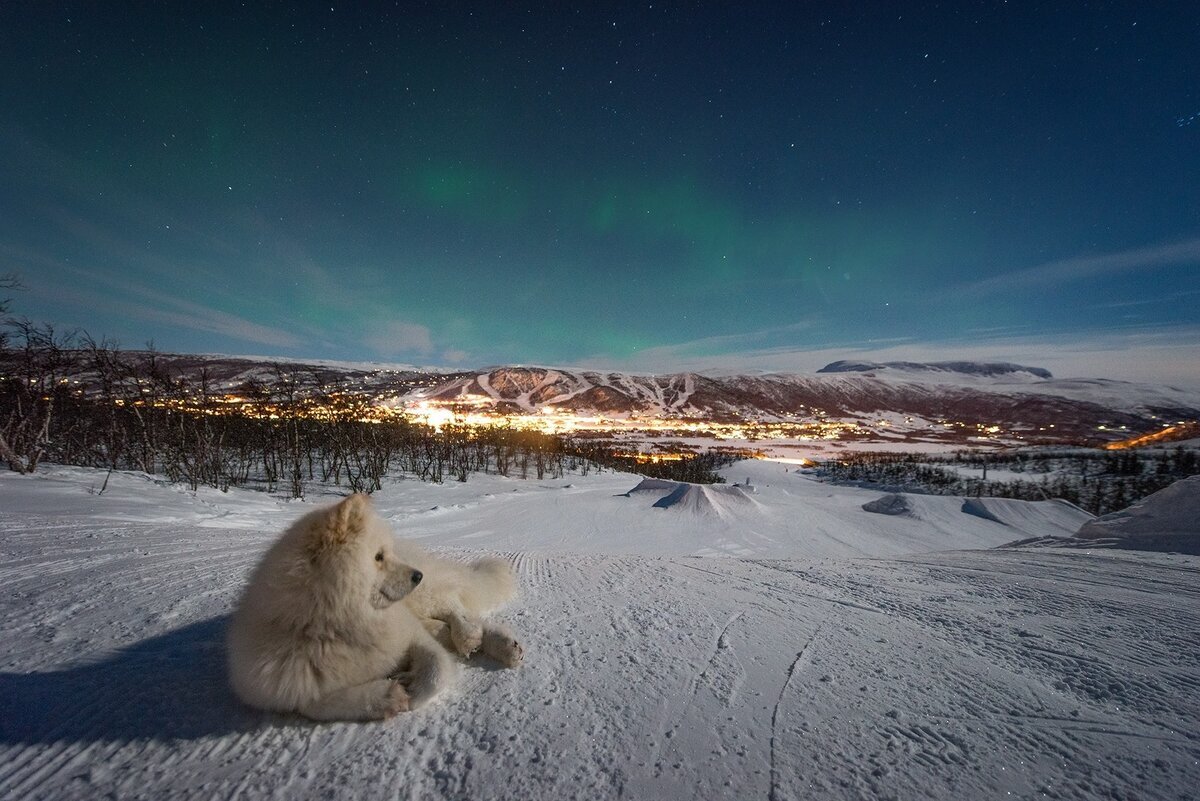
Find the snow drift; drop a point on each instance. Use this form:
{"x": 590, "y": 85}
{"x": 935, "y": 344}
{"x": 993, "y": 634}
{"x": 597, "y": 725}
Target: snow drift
{"x": 1168, "y": 520}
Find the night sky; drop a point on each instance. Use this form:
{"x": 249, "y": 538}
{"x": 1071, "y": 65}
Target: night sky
{"x": 654, "y": 186}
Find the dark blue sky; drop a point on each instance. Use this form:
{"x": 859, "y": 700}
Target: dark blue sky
{"x": 650, "y": 186}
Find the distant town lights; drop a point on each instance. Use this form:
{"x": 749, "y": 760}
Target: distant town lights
{"x": 478, "y": 412}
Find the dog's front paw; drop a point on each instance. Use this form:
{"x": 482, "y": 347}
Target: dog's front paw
{"x": 502, "y": 646}
{"x": 467, "y": 639}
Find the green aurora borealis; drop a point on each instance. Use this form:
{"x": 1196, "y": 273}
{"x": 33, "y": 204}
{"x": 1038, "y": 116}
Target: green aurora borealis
{"x": 619, "y": 184}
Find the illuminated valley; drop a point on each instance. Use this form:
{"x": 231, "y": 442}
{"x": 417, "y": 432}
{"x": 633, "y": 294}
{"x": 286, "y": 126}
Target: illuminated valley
{"x": 650, "y": 436}
{"x": 782, "y": 416}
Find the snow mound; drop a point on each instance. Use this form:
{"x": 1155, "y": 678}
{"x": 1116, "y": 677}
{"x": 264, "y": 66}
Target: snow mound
{"x": 704, "y": 499}
{"x": 893, "y": 503}
{"x": 1168, "y": 520}
{"x": 980, "y": 508}
{"x": 1028, "y": 515}
{"x": 653, "y": 485}
{"x": 1044, "y": 517}
{"x": 708, "y": 500}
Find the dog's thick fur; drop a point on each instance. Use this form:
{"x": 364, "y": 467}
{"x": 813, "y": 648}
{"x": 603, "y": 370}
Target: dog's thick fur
{"x": 341, "y": 621}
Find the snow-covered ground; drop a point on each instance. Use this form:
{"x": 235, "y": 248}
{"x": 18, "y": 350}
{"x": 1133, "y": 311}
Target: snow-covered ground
{"x": 774, "y": 641}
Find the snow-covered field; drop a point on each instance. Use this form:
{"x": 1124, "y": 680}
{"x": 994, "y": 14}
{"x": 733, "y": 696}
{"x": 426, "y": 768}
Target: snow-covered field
{"x": 774, "y": 641}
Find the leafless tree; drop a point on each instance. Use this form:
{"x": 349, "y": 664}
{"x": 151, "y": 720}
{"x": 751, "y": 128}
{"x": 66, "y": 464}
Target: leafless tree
{"x": 34, "y": 381}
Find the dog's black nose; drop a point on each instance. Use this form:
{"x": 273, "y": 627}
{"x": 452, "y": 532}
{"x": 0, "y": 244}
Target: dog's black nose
{"x": 417, "y": 577}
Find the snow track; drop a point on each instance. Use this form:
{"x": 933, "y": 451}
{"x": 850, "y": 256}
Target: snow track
{"x": 951, "y": 675}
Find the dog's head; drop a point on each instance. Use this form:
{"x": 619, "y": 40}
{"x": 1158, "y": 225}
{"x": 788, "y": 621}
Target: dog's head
{"x": 351, "y": 542}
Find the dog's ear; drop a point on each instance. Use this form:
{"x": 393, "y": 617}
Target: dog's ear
{"x": 342, "y": 523}
{"x": 349, "y": 517}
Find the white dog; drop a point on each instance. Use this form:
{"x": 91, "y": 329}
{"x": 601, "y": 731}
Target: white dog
{"x": 340, "y": 621}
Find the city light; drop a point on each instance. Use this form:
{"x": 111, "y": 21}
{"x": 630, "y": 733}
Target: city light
{"x": 467, "y": 412}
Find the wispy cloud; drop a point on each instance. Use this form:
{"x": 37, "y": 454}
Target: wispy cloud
{"x": 395, "y": 337}
{"x": 1167, "y": 355}
{"x": 95, "y": 291}
{"x": 1083, "y": 268}
{"x": 706, "y": 349}
{"x": 1157, "y": 300}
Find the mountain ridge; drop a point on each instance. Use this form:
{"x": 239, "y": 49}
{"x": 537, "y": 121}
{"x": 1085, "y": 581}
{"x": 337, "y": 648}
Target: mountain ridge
{"x": 987, "y": 369}
{"x": 973, "y": 395}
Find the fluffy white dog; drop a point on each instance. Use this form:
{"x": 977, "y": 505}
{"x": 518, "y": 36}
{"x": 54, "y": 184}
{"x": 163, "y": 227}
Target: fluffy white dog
{"x": 341, "y": 621}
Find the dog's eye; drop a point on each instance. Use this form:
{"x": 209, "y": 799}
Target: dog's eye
{"x": 379, "y": 556}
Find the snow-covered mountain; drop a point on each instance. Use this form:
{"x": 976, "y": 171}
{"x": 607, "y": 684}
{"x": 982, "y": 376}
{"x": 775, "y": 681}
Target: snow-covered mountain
{"x": 1012, "y": 397}
{"x": 984, "y": 369}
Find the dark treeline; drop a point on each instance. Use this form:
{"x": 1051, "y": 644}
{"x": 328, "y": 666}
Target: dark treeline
{"x": 68, "y": 399}
{"x": 1097, "y": 481}
{"x": 699, "y": 468}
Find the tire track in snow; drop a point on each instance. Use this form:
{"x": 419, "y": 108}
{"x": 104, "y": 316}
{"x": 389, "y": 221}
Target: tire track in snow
{"x": 799, "y": 663}
{"x": 789, "y": 590}
{"x": 719, "y": 644}
{"x": 532, "y": 571}
{"x": 1077, "y": 649}
{"x": 1088, "y": 658}
{"x": 31, "y": 775}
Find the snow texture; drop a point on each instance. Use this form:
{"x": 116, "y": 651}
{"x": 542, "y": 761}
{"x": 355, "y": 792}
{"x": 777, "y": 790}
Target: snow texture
{"x": 839, "y": 654}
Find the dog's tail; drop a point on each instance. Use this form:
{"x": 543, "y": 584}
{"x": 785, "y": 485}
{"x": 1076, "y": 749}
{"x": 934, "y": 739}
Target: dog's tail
{"x": 491, "y": 584}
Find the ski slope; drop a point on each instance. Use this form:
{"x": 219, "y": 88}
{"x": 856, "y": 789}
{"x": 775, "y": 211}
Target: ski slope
{"x": 782, "y": 644}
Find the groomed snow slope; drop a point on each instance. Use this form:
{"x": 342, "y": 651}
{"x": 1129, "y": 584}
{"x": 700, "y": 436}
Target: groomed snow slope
{"x": 787, "y": 515}
{"x": 650, "y": 672}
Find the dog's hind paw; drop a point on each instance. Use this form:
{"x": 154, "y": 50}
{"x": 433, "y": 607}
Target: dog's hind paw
{"x": 395, "y": 700}
{"x": 501, "y": 645}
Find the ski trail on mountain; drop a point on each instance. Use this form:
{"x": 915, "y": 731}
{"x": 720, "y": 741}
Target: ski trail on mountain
{"x": 936, "y": 675}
